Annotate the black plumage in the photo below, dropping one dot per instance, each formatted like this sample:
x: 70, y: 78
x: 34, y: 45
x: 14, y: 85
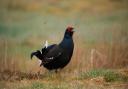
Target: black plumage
x: 57, y: 56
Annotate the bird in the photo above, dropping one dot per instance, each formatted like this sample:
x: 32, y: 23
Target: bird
x: 57, y: 56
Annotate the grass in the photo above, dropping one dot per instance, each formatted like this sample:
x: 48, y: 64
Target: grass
x: 98, y: 79
x: 108, y: 75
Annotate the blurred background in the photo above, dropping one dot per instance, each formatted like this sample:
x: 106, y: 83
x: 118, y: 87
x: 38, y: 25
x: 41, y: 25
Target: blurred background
x: 101, y: 32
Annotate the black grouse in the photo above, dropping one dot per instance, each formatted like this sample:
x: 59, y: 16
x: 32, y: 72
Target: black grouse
x: 57, y: 56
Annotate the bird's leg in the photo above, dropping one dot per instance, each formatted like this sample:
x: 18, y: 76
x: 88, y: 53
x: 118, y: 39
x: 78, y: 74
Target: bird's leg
x: 56, y: 71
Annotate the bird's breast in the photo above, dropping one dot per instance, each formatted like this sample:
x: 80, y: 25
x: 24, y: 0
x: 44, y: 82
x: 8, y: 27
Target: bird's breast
x: 67, y: 44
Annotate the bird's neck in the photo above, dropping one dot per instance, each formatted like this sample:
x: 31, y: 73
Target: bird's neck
x: 67, y: 42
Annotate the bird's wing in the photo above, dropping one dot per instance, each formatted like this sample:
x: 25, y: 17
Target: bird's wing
x: 53, y: 54
x: 51, y: 46
x: 45, y: 50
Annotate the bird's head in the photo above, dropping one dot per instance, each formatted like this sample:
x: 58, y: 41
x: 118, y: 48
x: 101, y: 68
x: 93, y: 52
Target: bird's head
x: 69, y: 31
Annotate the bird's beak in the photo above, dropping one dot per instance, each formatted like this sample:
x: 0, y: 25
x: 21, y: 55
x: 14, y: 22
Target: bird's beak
x: 73, y: 30
x: 33, y: 54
